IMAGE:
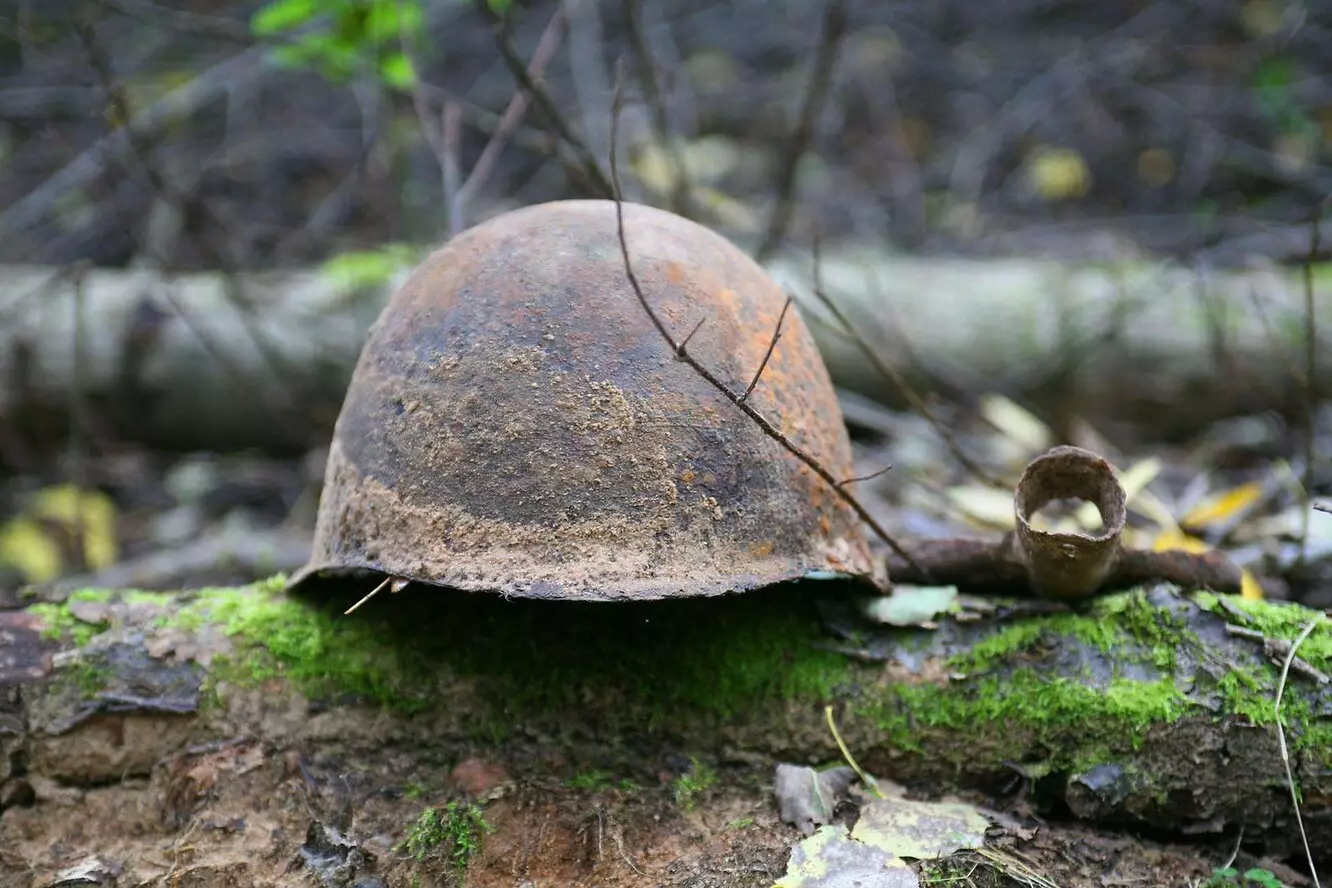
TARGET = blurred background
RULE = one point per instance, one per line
(203, 204)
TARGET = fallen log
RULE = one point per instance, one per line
(1147, 710)
(262, 359)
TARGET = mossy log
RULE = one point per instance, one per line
(1145, 710)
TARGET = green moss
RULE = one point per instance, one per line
(61, 624)
(592, 781)
(88, 677)
(720, 656)
(1251, 691)
(1281, 620)
(645, 665)
(1110, 624)
(1026, 709)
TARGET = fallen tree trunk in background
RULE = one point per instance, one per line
(261, 360)
(1147, 711)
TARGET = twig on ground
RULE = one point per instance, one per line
(587, 164)
(1278, 649)
(683, 354)
(1310, 386)
(1285, 751)
(647, 77)
(994, 567)
(383, 584)
(834, 26)
(893, 376)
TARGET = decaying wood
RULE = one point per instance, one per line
(171, 362)
(169, 682)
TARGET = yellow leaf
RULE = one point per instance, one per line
(1249, 588)
(88, 514)
(984, 505)
(1134, 480)
(26, 546)
(1015, 422)
(1058, 173)
(1172, 539)
(1223, 505)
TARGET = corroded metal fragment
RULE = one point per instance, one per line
(516, 424)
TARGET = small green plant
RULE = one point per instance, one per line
(342, 38)
(1230, 877)
(693, 783)
(358, 269)
(1274, 87)
(455, 831)
(590, 780)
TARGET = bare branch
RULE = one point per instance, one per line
(682, 353)
(647, 77)
(894, 376)
(834, 26)
(279, 401)
(1311, 392)
(872, 475)
(772, 344)
(684, 343)
(21, 215)
(452, 165)
(587, 161)
(513, 113)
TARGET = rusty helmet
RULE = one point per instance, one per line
(516, 424)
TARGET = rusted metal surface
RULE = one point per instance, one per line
(516, 424)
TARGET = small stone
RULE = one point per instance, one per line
(91, 612)
(478, 777)
(93, 870)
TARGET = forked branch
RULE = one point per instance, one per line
(890, 373)
(736, 398)
(587, 161)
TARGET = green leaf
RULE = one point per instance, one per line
(369, 268)
(396, 70)
(499, 7)
(282, 15)
(388, 20)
